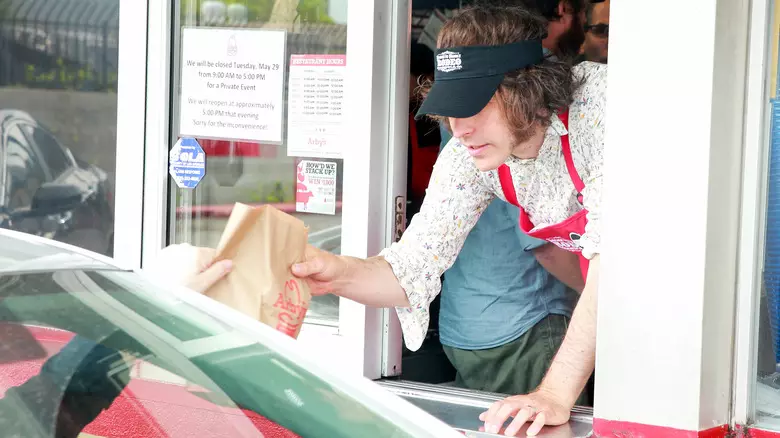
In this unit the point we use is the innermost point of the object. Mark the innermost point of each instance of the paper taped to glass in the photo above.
(264, 243)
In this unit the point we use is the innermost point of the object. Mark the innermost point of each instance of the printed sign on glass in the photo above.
(315, 119)
(187, 163)
(316, 187)
(232, 84)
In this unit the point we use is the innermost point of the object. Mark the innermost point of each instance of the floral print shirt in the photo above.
(458, 193)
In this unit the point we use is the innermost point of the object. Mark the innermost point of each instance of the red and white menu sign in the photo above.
(315, 106)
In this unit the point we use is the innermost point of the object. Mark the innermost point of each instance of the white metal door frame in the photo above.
(131, 103)
(398, 121)
(753, 212)
(158, 92)
(366, 218)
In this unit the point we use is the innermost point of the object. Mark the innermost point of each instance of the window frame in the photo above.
(131, 128)
(358, 341)
(3, 169)
(753, 212)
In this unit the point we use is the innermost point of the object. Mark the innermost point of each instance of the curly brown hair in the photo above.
(546, 8)
(527, 96)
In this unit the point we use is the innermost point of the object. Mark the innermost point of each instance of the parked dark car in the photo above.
(46, 191)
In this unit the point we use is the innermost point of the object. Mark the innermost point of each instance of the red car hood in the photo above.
(155, 403)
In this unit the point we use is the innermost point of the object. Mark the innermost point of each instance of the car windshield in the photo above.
(107, 353)
(22, 253)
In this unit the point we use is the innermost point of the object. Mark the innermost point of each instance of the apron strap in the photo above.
(505, 174)
(507, 186)
(575, 177)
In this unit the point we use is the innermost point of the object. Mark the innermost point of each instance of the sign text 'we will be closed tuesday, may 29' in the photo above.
(232, 84)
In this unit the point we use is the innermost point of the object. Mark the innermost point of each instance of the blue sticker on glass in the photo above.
(187, 163)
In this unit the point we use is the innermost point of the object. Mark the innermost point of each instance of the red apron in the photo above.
(566, 234)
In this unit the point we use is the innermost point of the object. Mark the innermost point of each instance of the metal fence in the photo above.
(59, 44)
(309, 38)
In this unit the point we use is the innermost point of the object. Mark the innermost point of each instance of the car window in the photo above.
(104, 352)
(55, 157)
(24, 174)
(27, 254)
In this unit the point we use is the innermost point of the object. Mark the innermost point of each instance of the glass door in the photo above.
(260, 91)
(283, 103)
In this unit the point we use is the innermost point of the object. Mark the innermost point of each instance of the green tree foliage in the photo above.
(258, 10)
(313, 11)
(309, 11)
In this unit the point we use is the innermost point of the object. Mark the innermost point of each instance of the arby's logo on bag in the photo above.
(292, 309)
(571, 244)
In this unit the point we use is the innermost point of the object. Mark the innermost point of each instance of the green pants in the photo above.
(517, 367)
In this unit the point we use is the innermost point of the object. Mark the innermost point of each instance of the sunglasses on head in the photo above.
(601, 30)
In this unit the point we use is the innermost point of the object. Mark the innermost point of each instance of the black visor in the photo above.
(466, 78)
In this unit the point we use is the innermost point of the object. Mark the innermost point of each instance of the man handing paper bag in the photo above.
(263, 244)
(250, 268)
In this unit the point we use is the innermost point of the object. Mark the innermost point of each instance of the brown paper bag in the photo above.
(263, 244)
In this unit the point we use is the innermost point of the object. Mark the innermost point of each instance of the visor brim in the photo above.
(459, 98)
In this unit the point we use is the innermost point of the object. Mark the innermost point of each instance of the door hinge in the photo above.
(399, 224)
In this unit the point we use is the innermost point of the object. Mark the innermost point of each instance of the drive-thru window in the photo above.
(305, 105)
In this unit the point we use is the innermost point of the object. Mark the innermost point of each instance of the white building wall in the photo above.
(666, 302)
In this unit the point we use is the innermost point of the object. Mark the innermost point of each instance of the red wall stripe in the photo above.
(744, 432)
(624, 429)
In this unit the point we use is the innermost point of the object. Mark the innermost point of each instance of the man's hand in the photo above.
(569, 371)
(540, 407)
(367, 281)
(321, 270)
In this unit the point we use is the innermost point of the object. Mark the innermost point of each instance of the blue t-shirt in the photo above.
(497, 290)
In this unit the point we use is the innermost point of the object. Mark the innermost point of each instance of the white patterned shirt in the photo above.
(458, 193)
